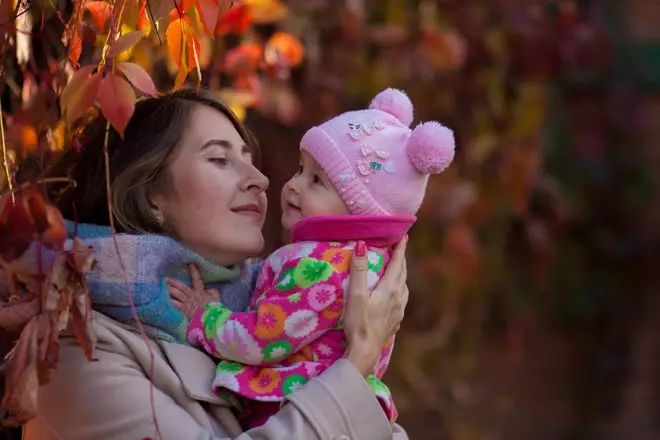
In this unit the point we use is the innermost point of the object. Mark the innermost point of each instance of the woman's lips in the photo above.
(251, 209)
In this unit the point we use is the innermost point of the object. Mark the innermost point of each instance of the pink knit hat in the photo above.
(376, 162)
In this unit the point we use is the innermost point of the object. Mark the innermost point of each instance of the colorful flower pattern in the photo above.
(292, 330)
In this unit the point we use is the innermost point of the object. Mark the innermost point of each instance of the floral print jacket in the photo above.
(292, 330)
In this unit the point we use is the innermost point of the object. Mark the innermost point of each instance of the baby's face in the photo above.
(309, 193)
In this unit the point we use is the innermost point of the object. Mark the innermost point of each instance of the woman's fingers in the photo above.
(357, 283)
(396, 266)
(197, 283)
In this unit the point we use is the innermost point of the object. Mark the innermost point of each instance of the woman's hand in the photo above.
(189, 299)
(370, 320)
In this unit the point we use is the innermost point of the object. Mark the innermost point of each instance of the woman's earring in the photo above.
(159, 220)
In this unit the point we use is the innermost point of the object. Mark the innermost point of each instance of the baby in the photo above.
(362, 176)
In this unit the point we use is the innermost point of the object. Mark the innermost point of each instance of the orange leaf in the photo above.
(75, 45)
(125, 42)
(100, 12)
(117, 102)
(283, 47)
(138, 78)
(180, 34)
(77, 80)
(83, 98)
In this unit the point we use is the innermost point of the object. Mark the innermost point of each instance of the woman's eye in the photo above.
(219, 160)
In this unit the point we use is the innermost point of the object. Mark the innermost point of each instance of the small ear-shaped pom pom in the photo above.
(396, 103)
(431, 147)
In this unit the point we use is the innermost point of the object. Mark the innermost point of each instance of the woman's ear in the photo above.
(156, 212)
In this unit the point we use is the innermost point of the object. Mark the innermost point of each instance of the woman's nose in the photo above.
(255, 180)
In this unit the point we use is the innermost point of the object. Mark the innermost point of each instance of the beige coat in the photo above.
(110, 399)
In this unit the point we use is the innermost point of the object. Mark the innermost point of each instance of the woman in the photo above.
(185, 169)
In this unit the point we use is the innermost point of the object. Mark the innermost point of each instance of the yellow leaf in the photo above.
(83, 98)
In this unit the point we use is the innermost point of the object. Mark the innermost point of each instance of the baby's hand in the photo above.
(189, 299)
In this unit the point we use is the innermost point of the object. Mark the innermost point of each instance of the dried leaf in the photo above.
(82, 323)
(100, 12)
(21, 378)
(125, 42)
(83, 98)
(23, 34)
(138, 78)
(117, 102)
(26, 218)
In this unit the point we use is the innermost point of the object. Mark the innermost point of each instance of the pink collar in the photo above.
(375, 230)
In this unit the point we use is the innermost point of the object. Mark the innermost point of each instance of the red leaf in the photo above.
(125, 42)
(209, 12)
(117, 102)
(100, 12)
(26, 218)
(83, 98)
(235, 21)
(138, 77)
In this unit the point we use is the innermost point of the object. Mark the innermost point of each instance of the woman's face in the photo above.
(215, 202)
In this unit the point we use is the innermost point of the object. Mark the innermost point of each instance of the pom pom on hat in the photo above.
(396, 103)
(431, 147)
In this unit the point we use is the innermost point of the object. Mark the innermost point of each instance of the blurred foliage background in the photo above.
(533, 275)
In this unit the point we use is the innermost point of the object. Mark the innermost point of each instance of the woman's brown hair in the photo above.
(138, 163)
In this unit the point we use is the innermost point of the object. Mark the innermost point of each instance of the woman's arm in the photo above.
(110, 399)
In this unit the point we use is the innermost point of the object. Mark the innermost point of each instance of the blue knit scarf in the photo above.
(147, 260)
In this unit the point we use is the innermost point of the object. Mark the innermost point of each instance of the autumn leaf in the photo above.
(26, 218)
(283, 48)
(83, 98)
(236, 20)
(72, 37)
(209, 12)
(267, 11)
(100, 13)
(182, 42)
(138, 78)
(125, 42)
(117, 102)
(244, 59)
(64, 299)
(21, 378)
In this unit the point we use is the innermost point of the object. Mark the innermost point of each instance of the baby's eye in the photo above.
(316, 179)
(300, 170)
